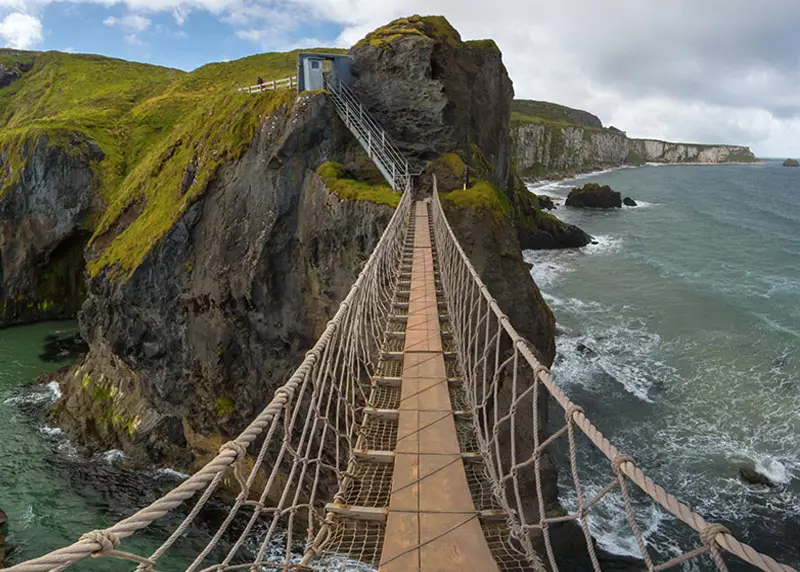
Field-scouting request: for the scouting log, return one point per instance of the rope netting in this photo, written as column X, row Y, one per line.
column 300, row 453
column 508, row 390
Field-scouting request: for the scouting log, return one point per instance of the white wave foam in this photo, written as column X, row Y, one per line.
column 774, row 470
column 172, row 473
column 37, row 395
column 55, row 390
column 51, row 431
column 113, row 455
column 603, row 244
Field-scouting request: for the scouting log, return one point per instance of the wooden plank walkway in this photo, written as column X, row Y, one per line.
column 432, row 523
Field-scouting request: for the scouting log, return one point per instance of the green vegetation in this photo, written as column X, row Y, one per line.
column 107, row 400
column 224, row 406
column 482, row 195
column 352, row 189
column 454, row 163
column 433, row 27
column 544, row 112
column 164, row 133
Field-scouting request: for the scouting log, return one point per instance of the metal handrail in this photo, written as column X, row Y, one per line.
column 373, row 138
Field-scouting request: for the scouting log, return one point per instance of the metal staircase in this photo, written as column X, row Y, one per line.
column 375, row 141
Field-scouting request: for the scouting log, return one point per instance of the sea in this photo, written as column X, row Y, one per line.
column 679, row 334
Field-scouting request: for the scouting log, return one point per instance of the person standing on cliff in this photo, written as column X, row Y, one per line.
column 260, row 83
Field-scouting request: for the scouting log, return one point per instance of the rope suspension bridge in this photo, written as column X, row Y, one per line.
column 409, row 438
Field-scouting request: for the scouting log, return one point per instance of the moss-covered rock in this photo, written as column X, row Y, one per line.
column 333, row 175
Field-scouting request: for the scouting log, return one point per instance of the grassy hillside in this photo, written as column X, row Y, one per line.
column 530, row 111
column 152, row 124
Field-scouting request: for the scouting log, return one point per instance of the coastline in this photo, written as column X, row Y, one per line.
column 555, row 177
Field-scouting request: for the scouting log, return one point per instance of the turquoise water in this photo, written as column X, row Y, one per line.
column 691, row 302
column 50, row 493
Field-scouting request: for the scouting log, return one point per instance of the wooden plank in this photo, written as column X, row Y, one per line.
column 432, row 524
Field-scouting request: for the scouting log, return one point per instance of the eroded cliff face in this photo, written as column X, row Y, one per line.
column 188, row 349
column 541, row 149
column 44, row 208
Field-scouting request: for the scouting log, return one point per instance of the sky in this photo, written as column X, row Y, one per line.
column 709, row 71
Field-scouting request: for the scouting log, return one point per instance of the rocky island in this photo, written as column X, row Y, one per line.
column 791, row 163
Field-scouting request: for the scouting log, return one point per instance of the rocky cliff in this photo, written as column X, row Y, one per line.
column 552, row 139
column 187, row 349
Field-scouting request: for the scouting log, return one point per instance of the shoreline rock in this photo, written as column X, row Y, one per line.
column 594, row 196
column 3, row 530
column 628, row 202
column 749, row 474
column 791, row 163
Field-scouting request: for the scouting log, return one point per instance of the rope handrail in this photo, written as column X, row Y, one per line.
column 472, row 309
column 338, row 359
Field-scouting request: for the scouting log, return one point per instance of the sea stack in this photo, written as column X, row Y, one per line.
column 594, row 196
column 791, row 163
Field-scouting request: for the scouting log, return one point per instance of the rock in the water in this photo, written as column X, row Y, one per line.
column 791, row 163
column 3, row 548
column 546, row 203
column 628, row 202
column 594, row 196
column 586, row 350
column 749, row 474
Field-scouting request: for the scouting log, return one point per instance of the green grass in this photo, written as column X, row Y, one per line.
column 481, row 196
column 224, row 405
column 530, row 111
column 219, row 129
column 355, row 190
column 436, row 28
column 151, row 122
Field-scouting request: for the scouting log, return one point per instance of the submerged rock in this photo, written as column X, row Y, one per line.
column 586, row 350
column 58, row 348
column 594, row 196
column 628, row 202
column 749, row 474
column 791, row 163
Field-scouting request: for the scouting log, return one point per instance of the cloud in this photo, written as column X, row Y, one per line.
column 131, row 23
column 20, row 31
column 716, row 70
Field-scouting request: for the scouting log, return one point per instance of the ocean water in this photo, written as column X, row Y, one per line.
column 50, row 492
column 690, row 304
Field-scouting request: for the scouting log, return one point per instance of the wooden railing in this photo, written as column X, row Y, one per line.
column 287, row 82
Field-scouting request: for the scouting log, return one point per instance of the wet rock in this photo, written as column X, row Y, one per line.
column 59, row 348
column 3, row 547
column 791, row 163
column 546, row 203
column 628, row 202
column 749, row 474
column 586, row 350
column 594, row 196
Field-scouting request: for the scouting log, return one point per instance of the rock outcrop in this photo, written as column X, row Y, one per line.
column 749, row 474
column 44, row 204
column 594, row 196
column 628, row 202
column 3, row 547
column 441, row 97
column 11, row 71
column 548, row 140
column 791, row 163
column 194, row 342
